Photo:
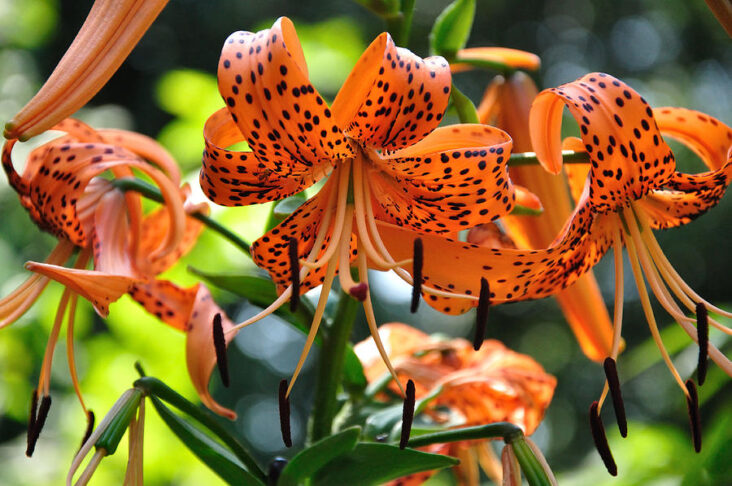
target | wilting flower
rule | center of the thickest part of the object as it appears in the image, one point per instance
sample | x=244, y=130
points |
x=632, y=188
x=378, y=145
x=493, y=384
x=109, y=33
x=506, y=105
x=64, y=190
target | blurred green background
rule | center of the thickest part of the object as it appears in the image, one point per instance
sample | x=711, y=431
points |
x=672, y=51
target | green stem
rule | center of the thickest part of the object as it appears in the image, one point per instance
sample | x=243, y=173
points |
x=529, y=158
x=153, y=193
x=400, y=24
x=155, y=387
x=330, y=368
x=509, y=432
x=465, y=108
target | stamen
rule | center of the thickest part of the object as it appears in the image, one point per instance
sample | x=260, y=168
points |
x=417, y=262
x=285, y=414
x=38, y=424
x=294, y=274
x=90, y=419
x=32, y=420
x=598, y=435
x=611, y=373
x=220, y=346
x=484, y=303
x=275, y=469
x=702, y=330
x=692, y=403
x=407, y=415
x=360, y=291
x=70, y=356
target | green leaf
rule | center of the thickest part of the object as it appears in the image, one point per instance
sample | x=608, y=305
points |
x=309, y=461
x=210, y=452
x=389, y=420
x=452, y=28
x=353, y=377
x=371, y=463
x=464, y=106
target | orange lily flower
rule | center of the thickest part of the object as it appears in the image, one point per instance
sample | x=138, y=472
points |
x=110, y=31
x=378, y=146
x=632, y=188
x=493, y=384
x=64, y=195
x=506, y=104
x=515, y=58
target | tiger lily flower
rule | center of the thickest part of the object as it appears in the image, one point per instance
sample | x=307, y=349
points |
x=506, y=105
x=632, y=188
x=493, y=384
x=378, y=147
x=110, y=32
x=469, y=57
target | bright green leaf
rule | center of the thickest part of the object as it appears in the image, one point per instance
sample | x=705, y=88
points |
x=452, y=28
x=309, y=461
x=372, y=463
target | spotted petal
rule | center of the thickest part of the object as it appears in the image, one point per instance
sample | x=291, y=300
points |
x=628, y=155
x=453, y=179
x=392, y=98
x=264, y=82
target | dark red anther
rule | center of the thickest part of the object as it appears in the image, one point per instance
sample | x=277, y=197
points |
x=407, y=415
x=692, y=403
x=89, y=427
x=484, y=303
x=598, y=435
x=611, y=373
x=220, y=347
x=359, y=291
x=285, y=414
x=32, y=422
x=417, y=263
x=39, y=422
x=294, y=273
x=702, y=330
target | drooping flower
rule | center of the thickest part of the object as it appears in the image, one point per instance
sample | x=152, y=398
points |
x=493, y=384
x=110, y=32
x=65, y=191
x=506, y=105
x=378, y=146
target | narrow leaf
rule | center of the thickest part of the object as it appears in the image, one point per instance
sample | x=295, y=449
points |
x=309, y=461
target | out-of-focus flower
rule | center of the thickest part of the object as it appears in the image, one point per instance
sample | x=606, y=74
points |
x=632, y=187
x=471, y=57
x=493, y=384
x=506, y=104
x=384, y=159
x=111, y=30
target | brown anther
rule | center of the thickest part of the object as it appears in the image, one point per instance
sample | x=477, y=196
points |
x=611, y=373
x=702, y=330
x=40, y=420
x=598, y=435
x=692, y=403
x=484, y=303
x=292, y=252
x=285, y=414
x=417, y=262
x=360, y=291
x=89, y=427
x=32, y=421
x=220, y=346
x=407, y=414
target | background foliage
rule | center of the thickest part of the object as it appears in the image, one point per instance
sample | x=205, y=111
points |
x=672, y=51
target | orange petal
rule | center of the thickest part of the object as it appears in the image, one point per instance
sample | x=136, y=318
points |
x=392, y=98
x=708, y=137
x=109, y=33
x=577, y=174
x=110, y=237
x=512, y=58
x=264, y=81
x=398, y=340
x=627, y=152
x=489, y=235
x=99, y=288
x=146, y=147
x=453, y=179
x=232, y=178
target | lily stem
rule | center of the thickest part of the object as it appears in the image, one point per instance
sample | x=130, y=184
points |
x=330, y=368
x=153, y=193
x=400, y=24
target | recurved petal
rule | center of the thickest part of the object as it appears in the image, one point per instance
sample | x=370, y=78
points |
x=708, y=137
x=110, y=238
x=453, y=179
x=628, y=155
x=513, y=275
x=392, y=98
x=264, y=82
x=145, y=147
x=101, y=289
x=495, y=56
x=239, y=178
